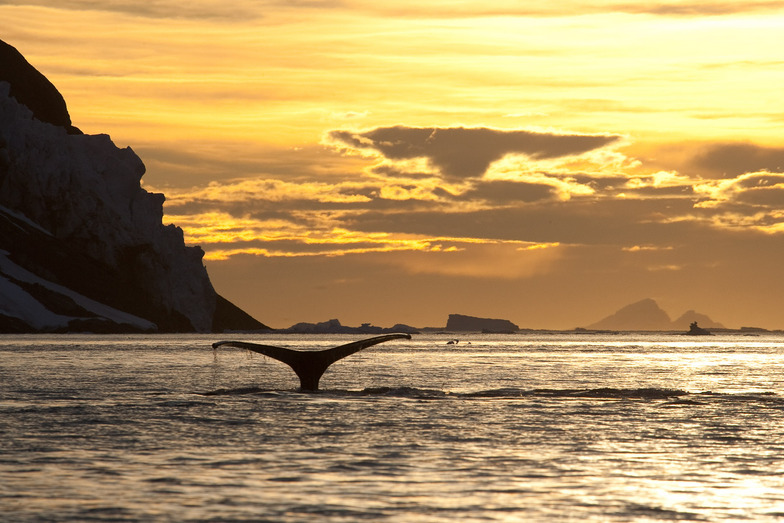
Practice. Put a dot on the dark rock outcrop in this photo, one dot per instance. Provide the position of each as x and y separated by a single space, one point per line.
696 330
33 90
229 317
82 245
334 327
461 323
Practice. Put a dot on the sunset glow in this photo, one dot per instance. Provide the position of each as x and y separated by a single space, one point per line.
547 163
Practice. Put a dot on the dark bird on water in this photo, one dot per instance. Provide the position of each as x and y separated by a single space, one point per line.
310 365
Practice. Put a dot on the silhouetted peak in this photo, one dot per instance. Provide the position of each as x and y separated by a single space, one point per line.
642 315
691 316
33 89
646 315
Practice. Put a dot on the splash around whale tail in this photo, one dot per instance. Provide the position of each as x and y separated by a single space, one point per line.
311 365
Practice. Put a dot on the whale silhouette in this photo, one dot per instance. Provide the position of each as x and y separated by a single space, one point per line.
310 365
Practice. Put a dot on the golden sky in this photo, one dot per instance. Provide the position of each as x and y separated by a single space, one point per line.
394 162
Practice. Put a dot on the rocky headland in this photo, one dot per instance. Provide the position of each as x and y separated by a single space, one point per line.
82 245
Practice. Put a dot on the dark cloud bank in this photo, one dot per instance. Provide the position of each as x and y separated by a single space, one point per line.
728 160
460 152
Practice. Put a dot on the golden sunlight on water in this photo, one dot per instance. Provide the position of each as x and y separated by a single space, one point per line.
504 428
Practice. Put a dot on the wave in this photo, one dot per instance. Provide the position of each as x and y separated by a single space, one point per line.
605 392
650 393
663 396
241 391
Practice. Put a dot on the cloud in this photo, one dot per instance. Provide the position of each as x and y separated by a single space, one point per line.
657 185
649 248
752 200
510 8
195 9
577 221
705 8
771 223
728 160
460 152
503 192
755 189
317 202
129 7
176 165
222 236
316 215
511 260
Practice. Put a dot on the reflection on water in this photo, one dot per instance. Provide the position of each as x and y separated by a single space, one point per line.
508 428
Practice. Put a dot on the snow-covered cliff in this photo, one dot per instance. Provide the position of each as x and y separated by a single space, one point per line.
67 196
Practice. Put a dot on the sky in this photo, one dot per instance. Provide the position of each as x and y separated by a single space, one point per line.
395 162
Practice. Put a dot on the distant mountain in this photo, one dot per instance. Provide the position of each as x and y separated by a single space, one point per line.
646 315
690 316
82 244
462 323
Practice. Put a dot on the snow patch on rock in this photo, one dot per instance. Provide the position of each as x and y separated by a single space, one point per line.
18 303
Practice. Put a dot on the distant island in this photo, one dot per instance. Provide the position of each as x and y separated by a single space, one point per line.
646 315
334 327
696 330
641 316
463 323
455 323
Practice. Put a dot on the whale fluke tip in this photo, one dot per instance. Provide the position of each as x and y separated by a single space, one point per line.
310 365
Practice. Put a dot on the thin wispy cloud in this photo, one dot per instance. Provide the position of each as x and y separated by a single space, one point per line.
506 8
157 9
705 8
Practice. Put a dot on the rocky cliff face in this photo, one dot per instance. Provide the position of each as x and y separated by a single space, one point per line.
76 225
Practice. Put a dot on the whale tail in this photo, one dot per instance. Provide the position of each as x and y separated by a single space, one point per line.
310 365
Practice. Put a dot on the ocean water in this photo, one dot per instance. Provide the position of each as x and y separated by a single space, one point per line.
628 427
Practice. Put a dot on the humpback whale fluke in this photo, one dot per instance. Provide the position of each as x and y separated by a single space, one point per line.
310 365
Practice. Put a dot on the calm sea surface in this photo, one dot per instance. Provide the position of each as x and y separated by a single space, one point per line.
496 428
